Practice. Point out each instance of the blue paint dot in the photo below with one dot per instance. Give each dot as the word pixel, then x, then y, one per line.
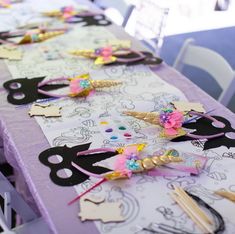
pixel 113 137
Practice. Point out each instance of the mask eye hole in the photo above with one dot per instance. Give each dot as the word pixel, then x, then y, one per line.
pixel 15 85
pixel 19 96
pixel 55 159
pixel 64 173
pixel 230 135
pixel 98 17
pixel 218 124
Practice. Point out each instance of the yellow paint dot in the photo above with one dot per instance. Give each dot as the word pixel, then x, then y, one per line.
pixel 104 122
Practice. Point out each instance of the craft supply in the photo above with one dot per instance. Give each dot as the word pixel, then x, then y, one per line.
pixel 90 19
pixel 109 55
pixel 24 91
pixel 69 13
pixel 44 110
pixel 92 208
pixel 66 157
pixel 193 210
pixel 127 162
pixel 115 129
pixel 188 106
pixel 172 122
pixel 226 194
pixel 10 52
pixel 30 36
pixel 204 126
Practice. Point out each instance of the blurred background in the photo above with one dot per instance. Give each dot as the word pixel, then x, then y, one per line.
pixel 210 22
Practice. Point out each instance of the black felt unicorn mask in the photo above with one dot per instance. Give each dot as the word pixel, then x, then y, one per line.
pixel 204 126
pixel 68 156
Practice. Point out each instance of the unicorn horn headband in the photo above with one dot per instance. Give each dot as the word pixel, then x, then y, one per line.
pixel 80 86
pixel 172 121
pixel 128 162
pixel 109 55
pixel 31 36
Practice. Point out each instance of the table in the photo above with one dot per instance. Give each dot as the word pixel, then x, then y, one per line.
pixel 17 130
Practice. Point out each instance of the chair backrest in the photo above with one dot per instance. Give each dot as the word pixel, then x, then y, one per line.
pixel 211 62
pixel 12 200
pixel 147 23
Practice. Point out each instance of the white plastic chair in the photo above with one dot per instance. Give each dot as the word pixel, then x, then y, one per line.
pixel 147 22
pixel 211 62
pixel 32 224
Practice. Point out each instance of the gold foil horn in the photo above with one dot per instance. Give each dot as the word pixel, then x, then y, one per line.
pixel 146 164
pixel 150 117
pixel 41 37
pixel 104 83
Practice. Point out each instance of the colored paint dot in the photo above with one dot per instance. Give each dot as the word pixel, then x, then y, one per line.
pixel 113 137
pixel 127 135
pixel 109 130
pixel 103 122
pixel 122 128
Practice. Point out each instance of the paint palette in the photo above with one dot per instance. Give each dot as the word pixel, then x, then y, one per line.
pixel 116 130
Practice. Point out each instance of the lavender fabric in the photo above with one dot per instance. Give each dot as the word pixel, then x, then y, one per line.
pixel 23 140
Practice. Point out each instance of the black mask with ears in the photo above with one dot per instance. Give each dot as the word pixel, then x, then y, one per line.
pixel 24 91
pixel 204 126
pixel 68 156
pixel 95 20
pixel 148 60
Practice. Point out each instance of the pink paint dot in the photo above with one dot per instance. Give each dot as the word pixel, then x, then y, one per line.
pixel 127 135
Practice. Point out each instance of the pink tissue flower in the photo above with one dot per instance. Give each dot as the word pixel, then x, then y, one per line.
pixel 172 122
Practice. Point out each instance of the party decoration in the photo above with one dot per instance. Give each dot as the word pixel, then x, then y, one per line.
pixel 205 126
pixel 108 55
pixel 188 106
pixel 10 52
pixel 44 110
pixel 172 120
pixel 38 35
pixel 23 90
pixel 89 19
pixel 226 194
pixel 96 208
pixel 128 162
pixel 68 13
pixel 68 156
pixel 34 89
pixel 31 36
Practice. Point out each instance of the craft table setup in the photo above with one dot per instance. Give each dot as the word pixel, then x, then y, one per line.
pixel 63 143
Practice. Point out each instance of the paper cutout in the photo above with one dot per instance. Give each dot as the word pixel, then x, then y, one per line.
pixel 27 90
pixel 119 43
pixel 68 156
pixel 44 110
pixel 10 52
pixel 205 126
pixel 226 194
pixel 95 20
pixel 188 106
pixel 92 208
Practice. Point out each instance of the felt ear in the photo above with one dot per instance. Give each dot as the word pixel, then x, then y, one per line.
pixel 68 156
pixel 96 20
pixel 23 90
pixel 204 126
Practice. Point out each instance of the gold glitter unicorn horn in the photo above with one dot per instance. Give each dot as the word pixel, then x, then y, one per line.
pixel 104 83
pixel 145 164
pixel 40 37
pixel 150 117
